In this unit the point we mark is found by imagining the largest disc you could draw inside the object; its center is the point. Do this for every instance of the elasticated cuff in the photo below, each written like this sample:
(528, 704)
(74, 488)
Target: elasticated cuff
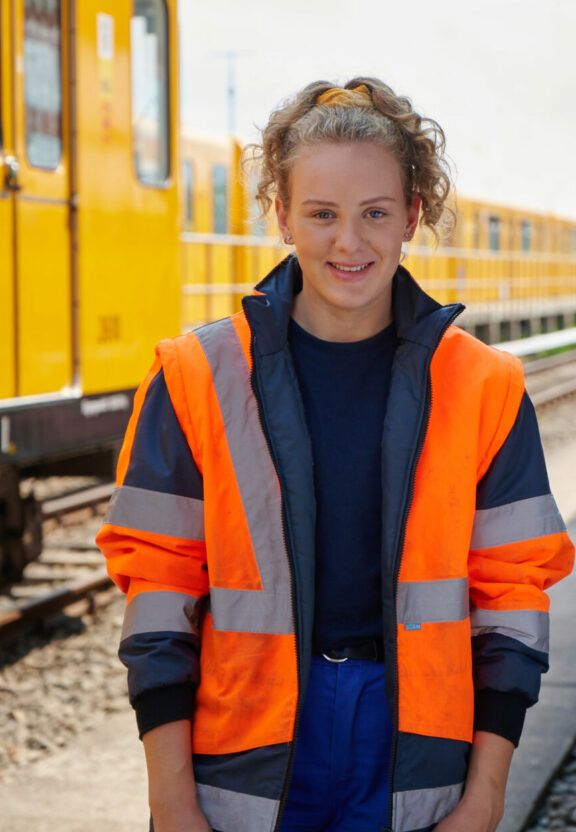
(167, 704)
(499, 713)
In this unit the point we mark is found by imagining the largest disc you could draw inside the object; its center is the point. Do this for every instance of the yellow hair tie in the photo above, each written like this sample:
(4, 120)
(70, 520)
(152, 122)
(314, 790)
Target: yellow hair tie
(339, 97)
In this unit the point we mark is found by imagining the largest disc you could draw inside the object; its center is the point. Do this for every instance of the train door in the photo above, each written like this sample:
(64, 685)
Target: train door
(127, 164)
(38, 184)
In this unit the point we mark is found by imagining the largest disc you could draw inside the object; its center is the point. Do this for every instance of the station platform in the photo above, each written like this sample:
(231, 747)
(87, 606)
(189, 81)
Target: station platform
(98, 784)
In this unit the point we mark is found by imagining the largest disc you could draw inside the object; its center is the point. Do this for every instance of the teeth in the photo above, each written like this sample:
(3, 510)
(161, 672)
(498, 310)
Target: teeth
(350, 268)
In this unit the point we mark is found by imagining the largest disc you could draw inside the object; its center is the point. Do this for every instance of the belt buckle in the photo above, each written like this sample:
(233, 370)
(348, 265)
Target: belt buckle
(335, 661)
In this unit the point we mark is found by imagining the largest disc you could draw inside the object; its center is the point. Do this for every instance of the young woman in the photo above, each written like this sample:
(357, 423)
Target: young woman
(333, 520)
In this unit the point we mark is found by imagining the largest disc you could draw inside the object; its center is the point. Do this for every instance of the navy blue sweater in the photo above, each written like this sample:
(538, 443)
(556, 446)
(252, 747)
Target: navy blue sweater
(345, 389)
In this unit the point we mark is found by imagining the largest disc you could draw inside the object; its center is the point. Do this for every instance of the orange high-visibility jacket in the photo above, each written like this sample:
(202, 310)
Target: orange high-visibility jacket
(211, 535)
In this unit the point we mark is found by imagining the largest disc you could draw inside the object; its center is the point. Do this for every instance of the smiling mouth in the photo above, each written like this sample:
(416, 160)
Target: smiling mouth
(351, 269)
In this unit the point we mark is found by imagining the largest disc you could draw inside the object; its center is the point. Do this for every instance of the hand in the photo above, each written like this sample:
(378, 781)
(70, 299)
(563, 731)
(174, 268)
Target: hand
(472, 815)
(171, 786)
(482, 805)
(189, 819)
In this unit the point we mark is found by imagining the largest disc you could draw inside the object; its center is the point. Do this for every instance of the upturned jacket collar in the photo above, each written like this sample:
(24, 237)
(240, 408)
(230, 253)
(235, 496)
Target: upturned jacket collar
(418, 317)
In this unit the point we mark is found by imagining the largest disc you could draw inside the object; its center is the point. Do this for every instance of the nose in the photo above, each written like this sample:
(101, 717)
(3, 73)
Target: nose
(348, 236)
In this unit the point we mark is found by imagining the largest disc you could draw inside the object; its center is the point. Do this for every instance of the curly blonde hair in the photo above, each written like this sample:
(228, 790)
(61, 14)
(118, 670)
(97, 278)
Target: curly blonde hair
(417, 143)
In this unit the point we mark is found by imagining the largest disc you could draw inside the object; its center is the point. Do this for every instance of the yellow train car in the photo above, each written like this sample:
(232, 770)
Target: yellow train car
(500, 258)
(225, 248)
(89, 223)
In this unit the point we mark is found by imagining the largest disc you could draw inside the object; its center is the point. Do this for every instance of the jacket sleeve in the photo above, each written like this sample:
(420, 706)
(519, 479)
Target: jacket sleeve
(519, 548)
(153, 541)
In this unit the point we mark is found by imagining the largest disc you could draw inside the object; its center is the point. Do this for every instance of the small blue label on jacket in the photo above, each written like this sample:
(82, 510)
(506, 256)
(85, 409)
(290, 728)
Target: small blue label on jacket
(412, 626)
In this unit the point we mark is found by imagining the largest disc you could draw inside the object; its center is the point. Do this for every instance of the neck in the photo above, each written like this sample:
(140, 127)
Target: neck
(336, 324)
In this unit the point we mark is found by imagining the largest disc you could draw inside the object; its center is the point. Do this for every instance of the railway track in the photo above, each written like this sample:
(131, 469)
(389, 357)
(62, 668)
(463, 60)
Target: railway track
(550, 380)
(70, 573)
(75, 501)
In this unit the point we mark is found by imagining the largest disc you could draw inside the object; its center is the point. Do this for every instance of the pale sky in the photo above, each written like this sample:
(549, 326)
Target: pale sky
(499, 76)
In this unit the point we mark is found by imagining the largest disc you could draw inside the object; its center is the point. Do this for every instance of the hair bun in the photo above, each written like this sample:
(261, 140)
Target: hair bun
(339, 97)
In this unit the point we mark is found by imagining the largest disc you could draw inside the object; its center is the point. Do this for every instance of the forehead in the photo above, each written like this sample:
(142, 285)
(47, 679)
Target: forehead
(326, 170)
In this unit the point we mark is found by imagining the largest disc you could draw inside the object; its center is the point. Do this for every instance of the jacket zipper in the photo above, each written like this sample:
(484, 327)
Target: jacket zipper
(288, 547)
(398, 564)
(398, 559)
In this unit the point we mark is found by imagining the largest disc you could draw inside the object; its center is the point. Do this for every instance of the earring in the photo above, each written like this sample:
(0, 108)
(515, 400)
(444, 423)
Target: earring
(407, 235)
(288, 240)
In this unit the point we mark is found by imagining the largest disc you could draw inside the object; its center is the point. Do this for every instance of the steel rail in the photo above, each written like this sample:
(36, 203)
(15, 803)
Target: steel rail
(85, 498)
(542, 365)
(54, 601)
(23, 613)
(553, 394)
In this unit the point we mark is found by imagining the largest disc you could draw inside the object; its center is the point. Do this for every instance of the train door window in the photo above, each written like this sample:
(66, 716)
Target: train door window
(526, 235)
(43, 83)
(220, 199)
(494, 233)
(150, 91)
(188, 181)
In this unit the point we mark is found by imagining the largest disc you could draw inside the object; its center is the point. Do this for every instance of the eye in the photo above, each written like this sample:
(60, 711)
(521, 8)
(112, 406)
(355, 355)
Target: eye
(377, 213)
(323, 215)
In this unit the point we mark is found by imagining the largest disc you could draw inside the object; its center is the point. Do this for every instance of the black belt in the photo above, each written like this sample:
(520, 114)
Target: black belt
(372, 649)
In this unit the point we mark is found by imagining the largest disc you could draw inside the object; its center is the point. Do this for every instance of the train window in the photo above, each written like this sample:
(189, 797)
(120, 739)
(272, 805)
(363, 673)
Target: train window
(220, 199)
(188, 181)
(526, 235)
(43, 83)
(150, 91)
(494, 233)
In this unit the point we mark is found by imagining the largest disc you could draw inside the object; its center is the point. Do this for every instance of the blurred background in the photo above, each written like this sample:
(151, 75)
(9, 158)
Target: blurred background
(499, 76)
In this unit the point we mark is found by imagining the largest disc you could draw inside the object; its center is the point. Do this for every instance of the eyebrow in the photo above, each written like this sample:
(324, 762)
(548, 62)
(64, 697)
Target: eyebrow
(327, 202)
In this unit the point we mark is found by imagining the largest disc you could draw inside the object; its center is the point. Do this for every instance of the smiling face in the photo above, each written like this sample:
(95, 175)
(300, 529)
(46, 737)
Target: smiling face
(348, 218)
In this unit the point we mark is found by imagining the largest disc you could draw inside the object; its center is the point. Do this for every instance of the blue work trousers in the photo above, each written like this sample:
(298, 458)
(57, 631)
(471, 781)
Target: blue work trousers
(341, 773)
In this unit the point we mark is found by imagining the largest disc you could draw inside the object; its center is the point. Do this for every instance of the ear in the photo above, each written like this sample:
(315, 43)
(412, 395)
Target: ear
(282, 217)
(413, 213)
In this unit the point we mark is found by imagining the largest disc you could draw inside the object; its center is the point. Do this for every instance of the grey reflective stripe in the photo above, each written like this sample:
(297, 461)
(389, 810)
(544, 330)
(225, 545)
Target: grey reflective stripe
(268, 610)
(531, 627)
(514, 522)
(156, 512)
(427, 601)
(419, 808)
(239, 611)
(154, 612)
(230, 811)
